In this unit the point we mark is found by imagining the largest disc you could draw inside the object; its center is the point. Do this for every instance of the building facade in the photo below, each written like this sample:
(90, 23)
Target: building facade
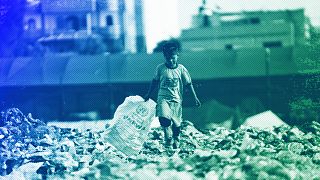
(255, 29)
(116, 24)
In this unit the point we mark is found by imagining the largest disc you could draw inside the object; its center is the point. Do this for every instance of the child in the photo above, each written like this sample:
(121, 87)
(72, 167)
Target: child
(170, 78)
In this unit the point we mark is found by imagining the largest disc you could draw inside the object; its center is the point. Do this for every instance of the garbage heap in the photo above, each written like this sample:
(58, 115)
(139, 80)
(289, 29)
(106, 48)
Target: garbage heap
(32, 150)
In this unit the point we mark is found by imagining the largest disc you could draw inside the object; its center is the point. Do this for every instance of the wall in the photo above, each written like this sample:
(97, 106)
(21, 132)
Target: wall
(121, 68)
(243, 36)
(54, 87)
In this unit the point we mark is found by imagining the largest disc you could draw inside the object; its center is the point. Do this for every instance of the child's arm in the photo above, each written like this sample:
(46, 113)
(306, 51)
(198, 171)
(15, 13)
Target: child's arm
(152, 86)
(190, 87)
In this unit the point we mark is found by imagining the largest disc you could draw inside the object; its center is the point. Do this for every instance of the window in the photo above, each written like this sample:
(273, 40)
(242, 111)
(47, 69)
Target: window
(272, 44)
(31, 24)
(229, 46)
(60, 22)
(109, 20)
(83, 22)
(72, 22)
(206, 21)
(254, 20)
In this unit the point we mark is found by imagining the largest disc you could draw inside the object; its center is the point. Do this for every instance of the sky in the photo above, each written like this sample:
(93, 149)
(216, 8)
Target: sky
(161, 21)
(171, 16)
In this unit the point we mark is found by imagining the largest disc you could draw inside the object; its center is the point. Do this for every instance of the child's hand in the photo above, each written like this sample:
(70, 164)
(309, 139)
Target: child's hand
(198, 103)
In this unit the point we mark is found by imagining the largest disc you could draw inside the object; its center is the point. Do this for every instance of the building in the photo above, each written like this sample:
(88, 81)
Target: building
(248, 29)
(62, 23)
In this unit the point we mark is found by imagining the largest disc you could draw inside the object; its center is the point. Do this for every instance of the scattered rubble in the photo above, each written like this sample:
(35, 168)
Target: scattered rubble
(245, 153)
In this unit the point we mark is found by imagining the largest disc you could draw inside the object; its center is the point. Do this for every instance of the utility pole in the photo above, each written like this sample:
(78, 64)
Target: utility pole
(268, 82)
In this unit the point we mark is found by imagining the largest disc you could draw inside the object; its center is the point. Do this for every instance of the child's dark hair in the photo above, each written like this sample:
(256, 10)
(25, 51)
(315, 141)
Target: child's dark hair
(170, 48)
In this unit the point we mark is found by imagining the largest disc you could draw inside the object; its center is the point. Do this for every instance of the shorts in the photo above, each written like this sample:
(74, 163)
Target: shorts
(171, 110)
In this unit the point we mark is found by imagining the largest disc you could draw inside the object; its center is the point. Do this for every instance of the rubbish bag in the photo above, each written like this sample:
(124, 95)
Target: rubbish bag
(130, 125)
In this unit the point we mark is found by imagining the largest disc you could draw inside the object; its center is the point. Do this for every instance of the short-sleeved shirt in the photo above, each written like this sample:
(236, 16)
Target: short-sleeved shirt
(171, 82)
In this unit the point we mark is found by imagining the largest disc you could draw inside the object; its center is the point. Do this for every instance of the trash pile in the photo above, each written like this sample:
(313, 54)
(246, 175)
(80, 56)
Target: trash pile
(246, 153)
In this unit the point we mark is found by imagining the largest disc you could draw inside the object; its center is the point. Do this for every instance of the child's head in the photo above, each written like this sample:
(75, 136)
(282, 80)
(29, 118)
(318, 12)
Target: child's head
(171, 53)
(170, 48)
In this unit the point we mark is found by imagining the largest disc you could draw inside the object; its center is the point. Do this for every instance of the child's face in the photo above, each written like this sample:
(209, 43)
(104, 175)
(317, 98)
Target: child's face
(172, 60)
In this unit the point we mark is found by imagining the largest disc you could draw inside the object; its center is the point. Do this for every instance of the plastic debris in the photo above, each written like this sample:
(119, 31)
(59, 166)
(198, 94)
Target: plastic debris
(283, 152)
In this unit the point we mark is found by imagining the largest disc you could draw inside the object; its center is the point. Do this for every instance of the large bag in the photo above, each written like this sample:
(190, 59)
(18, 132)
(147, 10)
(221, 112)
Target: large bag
(129, 128)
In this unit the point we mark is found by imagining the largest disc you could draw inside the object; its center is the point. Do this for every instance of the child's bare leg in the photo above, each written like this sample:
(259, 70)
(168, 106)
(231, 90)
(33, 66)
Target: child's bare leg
(175, 135)
(166, 126)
